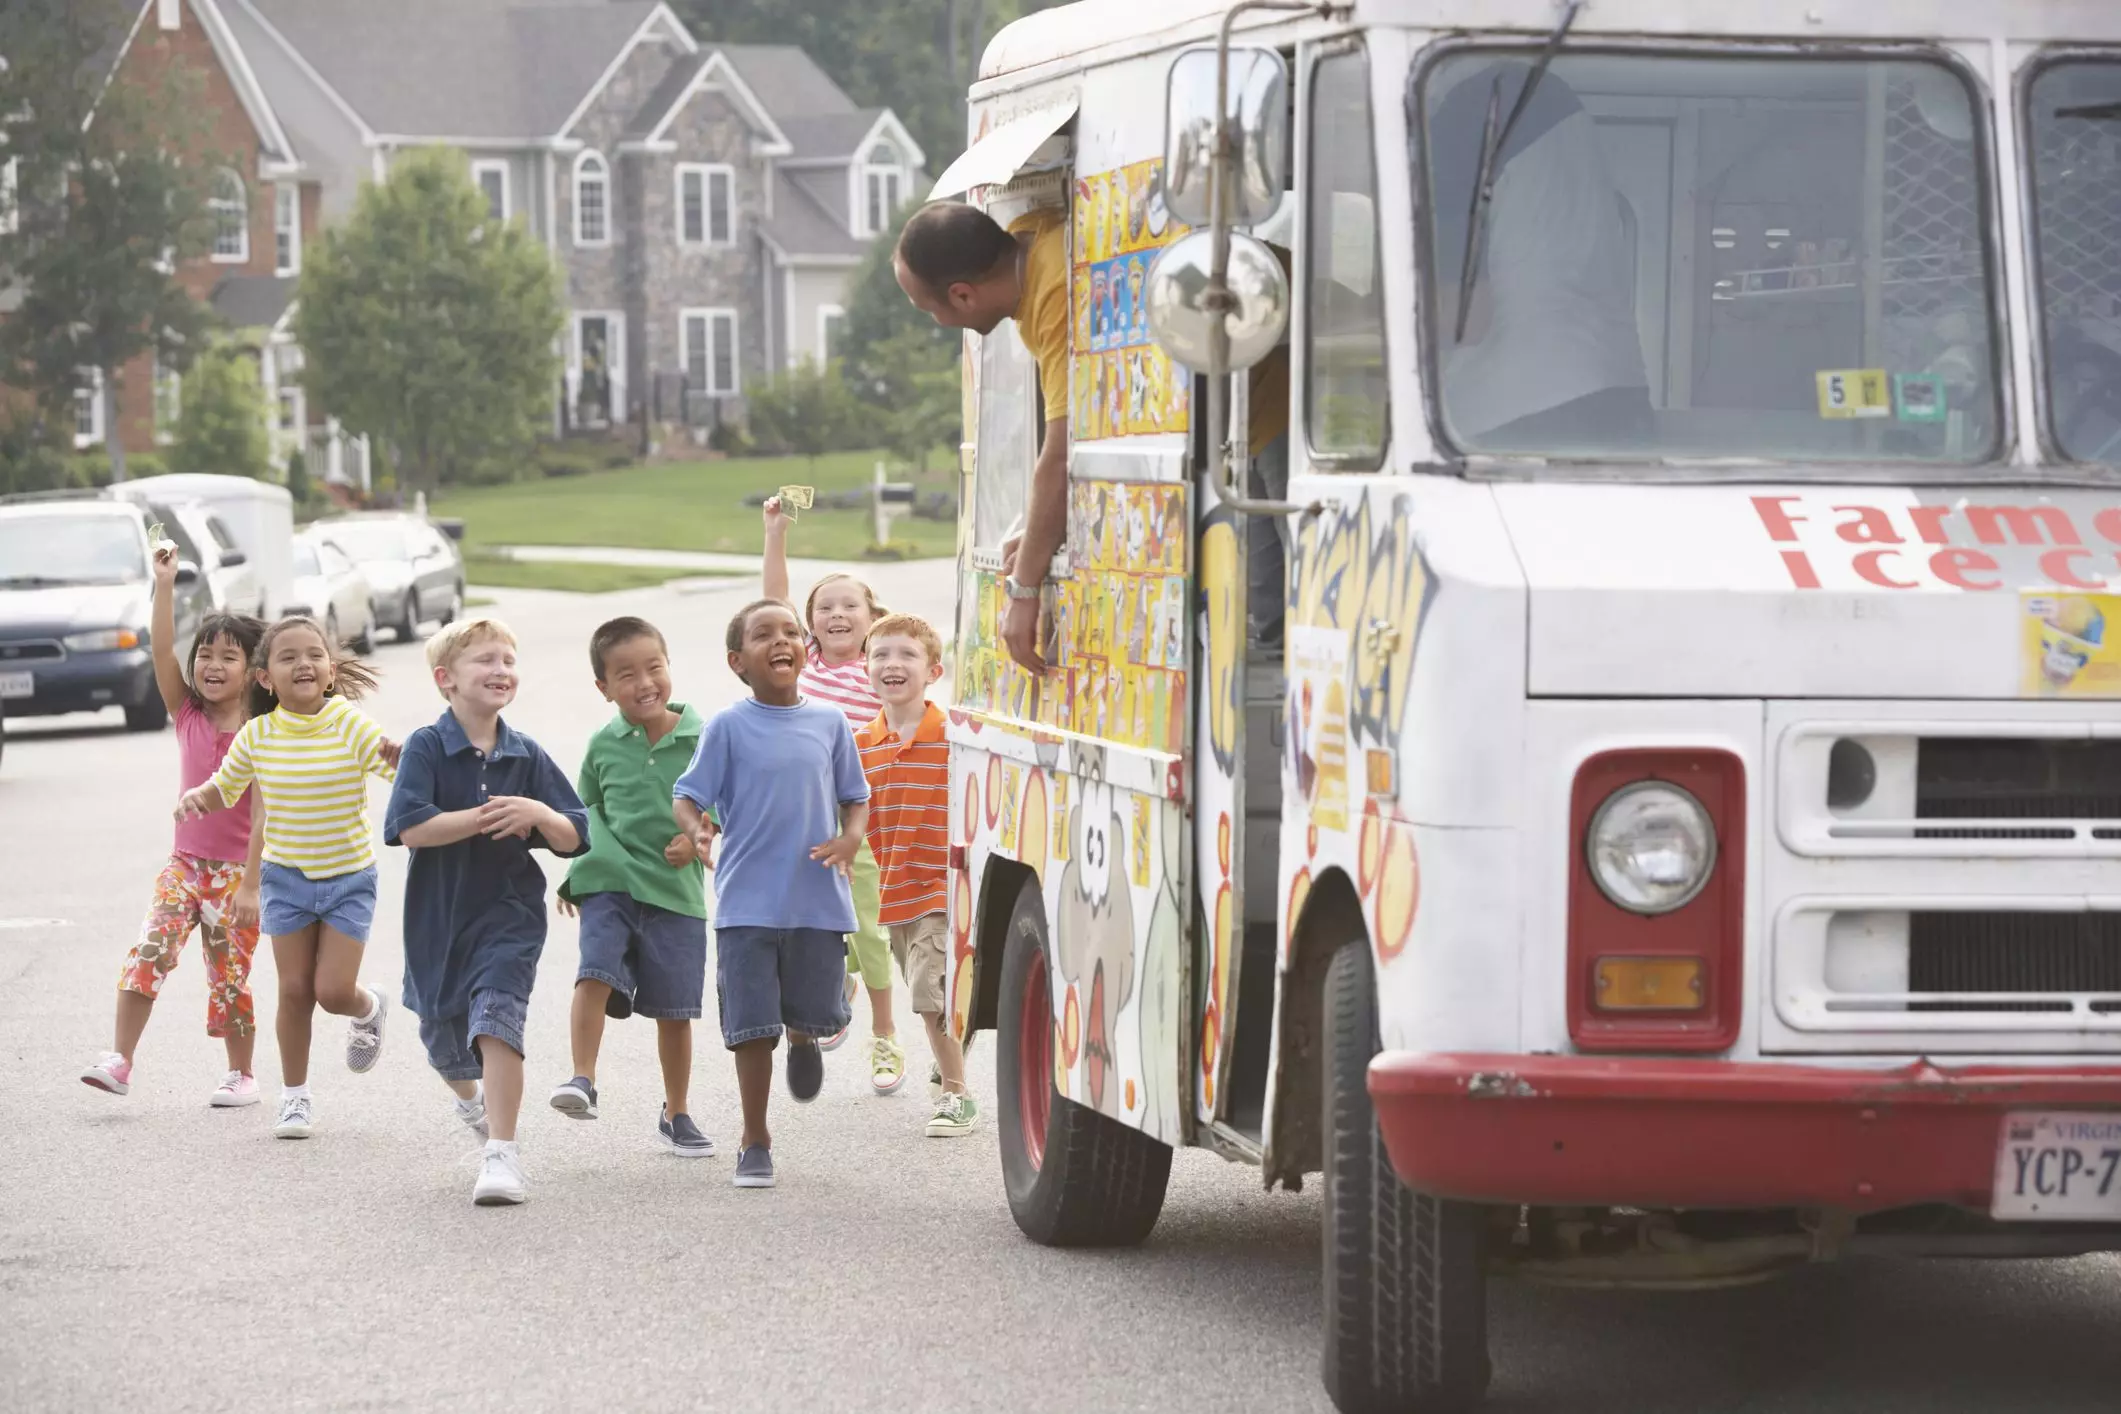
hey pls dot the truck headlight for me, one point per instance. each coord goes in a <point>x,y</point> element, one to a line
<point>1651,847</point>
<point>102,640</point>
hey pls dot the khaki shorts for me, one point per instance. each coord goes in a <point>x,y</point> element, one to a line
<point>922,948</point>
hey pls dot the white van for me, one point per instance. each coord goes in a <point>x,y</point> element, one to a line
<point>260,515</point>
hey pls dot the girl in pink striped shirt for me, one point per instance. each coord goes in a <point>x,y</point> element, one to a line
<point>838,614</point>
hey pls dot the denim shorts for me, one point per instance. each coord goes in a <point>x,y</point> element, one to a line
<point>654,961</point>
<point>289,901</point>
<point>766,979</point>
<point>452,1041</point>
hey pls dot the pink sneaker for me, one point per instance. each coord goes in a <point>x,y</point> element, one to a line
<point>234,1092</point>
<point>113,1073</point>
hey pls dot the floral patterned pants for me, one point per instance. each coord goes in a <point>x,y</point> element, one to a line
<point>197,893</point>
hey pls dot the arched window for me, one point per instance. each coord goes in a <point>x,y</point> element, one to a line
<point>592,199</point>
<point>883,186</point>
<point>230,205</point>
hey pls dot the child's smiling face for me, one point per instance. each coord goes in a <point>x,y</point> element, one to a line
<point>637,679</point>
<point>299,670</point>
<point>839,618</point>
<point>481,678</point>
<point>900,669</point>
<point>218,670</point>
<point>770,655</point>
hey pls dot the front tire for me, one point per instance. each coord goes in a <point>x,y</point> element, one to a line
<point>331,630</point>
<point>407,626</point>
<point>1406,1326</point>
<point>150,715</point>
<point>1075,1178</point>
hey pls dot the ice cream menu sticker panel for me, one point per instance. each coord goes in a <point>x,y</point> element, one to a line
<point>1122,384</point>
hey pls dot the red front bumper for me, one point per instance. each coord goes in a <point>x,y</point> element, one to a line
<point>1569,1130</point>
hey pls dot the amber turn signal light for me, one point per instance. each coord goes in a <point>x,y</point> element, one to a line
<point>1649,984</point>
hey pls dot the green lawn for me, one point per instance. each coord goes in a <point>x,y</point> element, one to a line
<point>690,506</point>
<point>494,572</point>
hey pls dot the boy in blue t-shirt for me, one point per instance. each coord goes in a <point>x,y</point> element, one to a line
<point>782,775</point>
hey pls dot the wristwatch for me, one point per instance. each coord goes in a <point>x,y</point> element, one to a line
<point>1016,589</point>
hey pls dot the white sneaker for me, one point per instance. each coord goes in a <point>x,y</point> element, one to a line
<point>473,1113</point>
<point>364,1039</point>
<point>294,1118</point>
<point>500,1180</point>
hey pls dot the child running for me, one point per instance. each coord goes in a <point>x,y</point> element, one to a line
<point>782,776</point>
<point>907,761</point>
<point>838,614</point>
<point>640,890</point>
<point>473,798</point>
<point>310,758</point>
<point>211,880</point>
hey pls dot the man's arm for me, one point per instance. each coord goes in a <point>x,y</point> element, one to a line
<point>1045,527</point>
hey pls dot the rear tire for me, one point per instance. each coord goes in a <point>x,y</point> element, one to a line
<point>1406,1328</point>
<point>1075,1178</point>
<point>150,715</point>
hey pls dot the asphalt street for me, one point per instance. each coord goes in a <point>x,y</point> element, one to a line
<point>159,1255</point>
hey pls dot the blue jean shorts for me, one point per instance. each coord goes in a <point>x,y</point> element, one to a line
<point>289,901</point>
<point>768,979</point>
<point>452,1042</point>
<point>654,961</point>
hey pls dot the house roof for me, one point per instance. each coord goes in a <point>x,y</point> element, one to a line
<point>252,301</point>
<point>833,135</point>
<point>510,70</point>
<point>806,221</point>
<point>787,80</point>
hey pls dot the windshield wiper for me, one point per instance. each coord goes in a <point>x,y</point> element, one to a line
<point>2094,112</point>
<point>32,581</point>
<point>1491,145</point>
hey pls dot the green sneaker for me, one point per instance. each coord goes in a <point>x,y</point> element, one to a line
<point>954,1118</point>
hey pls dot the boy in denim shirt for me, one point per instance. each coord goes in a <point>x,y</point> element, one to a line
<point>782,775</point>
<point>473,798</point>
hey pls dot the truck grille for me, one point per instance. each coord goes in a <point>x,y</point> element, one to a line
<point>2044,953</point>
<point>2004,778</point>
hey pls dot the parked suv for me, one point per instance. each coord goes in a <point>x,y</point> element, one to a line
<point>76,590</point>
<point>414,572</point>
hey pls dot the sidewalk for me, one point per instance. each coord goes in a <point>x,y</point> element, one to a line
<point>704,560</point>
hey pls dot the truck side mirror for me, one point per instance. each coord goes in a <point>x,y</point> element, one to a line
<point>232,558</point>
<point>187,574</point>
<point>1256,110</point>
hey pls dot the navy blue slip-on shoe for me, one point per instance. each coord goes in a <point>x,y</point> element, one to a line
<point>682,1137</point>
<point>754,1167</point>
<point>577,1099</point>
<point>806,1070</point>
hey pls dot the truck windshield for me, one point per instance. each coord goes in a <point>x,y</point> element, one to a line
<point>2075,134</point>
<point>1688,257</point>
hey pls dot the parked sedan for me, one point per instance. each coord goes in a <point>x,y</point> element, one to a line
<point>414,572</point>
<point>75,591</point>
<point>329,587</point>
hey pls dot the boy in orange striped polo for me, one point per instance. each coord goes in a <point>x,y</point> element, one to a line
<point>907,762</point>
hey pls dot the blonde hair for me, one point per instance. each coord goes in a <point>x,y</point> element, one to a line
<point>876,609</point>
<point>908,626</point>
<point>452,640</point>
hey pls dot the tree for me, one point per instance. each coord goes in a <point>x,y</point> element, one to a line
<point>429,326</point>
<point>221,428</point>
<point>108,177</point>
<point>900,362</point>
<point>806,411</point>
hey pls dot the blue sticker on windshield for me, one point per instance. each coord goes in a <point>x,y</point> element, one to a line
<point>1919,397</point>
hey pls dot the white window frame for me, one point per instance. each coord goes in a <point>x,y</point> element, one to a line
<point>867,173</point>
<point>826,313</point>
<point>287,228</point>
<point>221,205</point>
<point>10,187</point>
<point>602,177</point>
<point>708,173</point>
<point>712,316</point>
<point>92,387</point>
<point>480,167</point>
<point>169,394</point>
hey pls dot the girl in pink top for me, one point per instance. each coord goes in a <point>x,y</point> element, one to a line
<point>211,880</point>
<point>838,615</point>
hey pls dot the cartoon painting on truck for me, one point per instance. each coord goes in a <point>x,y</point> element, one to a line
<point>1675,830</point>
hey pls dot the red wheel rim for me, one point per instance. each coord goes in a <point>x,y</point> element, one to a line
<point>1034,1068</point>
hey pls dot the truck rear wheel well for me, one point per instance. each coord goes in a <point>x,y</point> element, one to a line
<point>1332,915</point>
<point>999,887</point>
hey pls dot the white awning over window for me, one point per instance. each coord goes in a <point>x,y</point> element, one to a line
<point>999,155</point>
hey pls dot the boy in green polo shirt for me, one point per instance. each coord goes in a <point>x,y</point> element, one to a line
<point>640,891</point>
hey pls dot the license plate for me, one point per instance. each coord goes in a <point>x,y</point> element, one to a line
<point>14,685</point>
<point>2058,1166</point>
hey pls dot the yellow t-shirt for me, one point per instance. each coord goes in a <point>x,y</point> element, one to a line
<point>1042,307</point>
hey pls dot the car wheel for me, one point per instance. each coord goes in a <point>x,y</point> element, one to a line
<point>149,716</point>
<point>407,626</point>
<point>366,643</point>
<point>454,607</point>
<point>1405,1275</point>
<point>331,629</point>
<point>1075,1178</point>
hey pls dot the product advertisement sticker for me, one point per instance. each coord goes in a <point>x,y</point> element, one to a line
<point>1854,392</point>
<point>1919,397</point>
<point>2064,648</point>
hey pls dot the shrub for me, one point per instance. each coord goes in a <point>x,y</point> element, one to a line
<point>221,429</point>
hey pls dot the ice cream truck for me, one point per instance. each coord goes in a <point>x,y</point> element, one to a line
<point>1675,833</point>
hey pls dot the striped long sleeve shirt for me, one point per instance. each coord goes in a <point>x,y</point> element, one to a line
<point>311,774</point>
<point>909,815</point>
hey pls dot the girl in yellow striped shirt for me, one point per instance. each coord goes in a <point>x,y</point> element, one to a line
<point>309,760</point>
